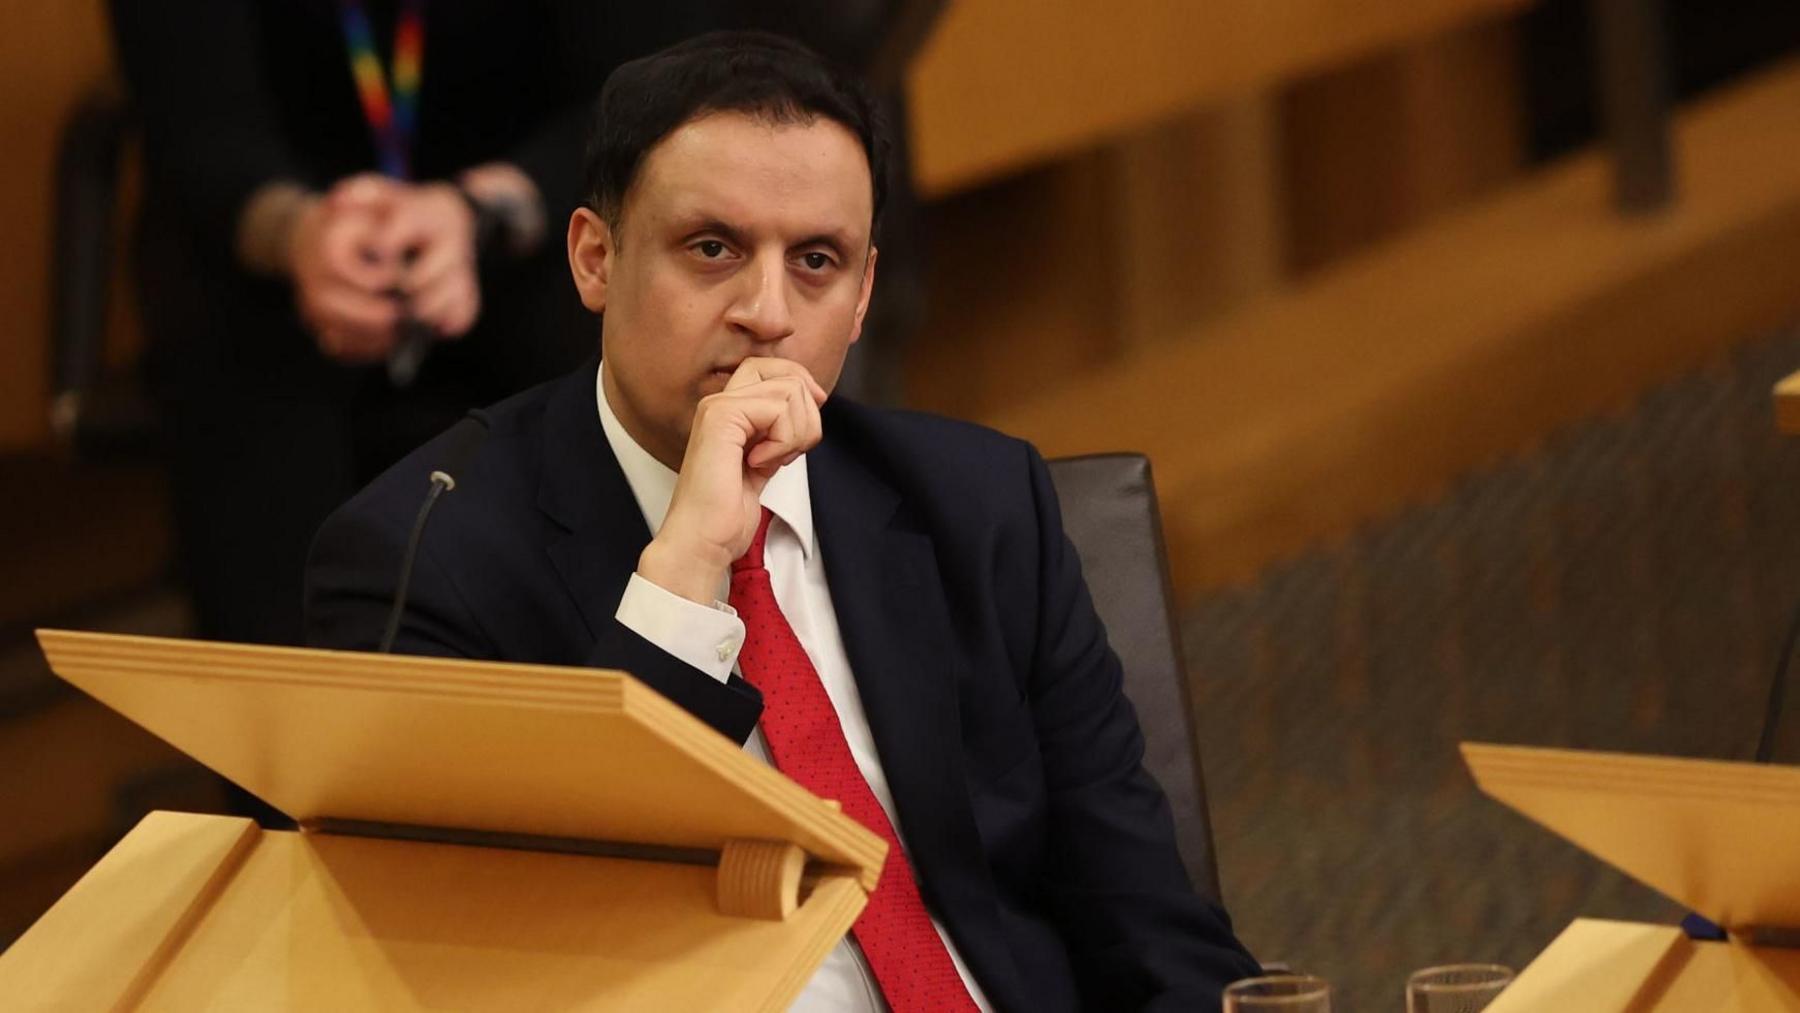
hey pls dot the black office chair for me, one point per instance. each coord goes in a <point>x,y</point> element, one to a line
<point>1110,514</point>
<point>97,414</point>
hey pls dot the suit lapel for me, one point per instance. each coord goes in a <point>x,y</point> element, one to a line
<point>583,489</point>
<point>891,610</point>
<point>896,627</point>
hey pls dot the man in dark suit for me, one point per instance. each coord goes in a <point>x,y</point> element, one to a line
<point>882,602</point>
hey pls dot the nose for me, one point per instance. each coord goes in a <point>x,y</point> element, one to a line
<point>761,309</point>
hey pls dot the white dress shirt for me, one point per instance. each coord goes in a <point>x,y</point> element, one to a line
<point>708,638</point>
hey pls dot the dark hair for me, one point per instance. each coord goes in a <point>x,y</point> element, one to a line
<point>755,73</point>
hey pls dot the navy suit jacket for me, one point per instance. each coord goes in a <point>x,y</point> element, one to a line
<point>994,700</point>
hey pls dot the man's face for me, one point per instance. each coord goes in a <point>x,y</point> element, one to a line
<point>738,238</point>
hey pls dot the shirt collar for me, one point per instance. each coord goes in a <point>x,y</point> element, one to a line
<point>788,495</point>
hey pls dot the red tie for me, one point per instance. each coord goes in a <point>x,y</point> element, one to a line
<point>896,935</point>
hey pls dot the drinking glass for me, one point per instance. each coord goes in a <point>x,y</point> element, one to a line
<point>1279,993</point>
<point>1456,988</point>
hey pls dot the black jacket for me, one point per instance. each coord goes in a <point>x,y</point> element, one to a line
<point>993,697</point>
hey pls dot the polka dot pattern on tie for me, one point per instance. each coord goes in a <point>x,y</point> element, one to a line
<point>904,951</point>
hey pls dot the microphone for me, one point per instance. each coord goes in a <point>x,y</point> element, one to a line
<point>463,440</point>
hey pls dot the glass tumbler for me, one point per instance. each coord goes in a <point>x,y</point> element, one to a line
<point>1456,988</point>
<point>1280,993</point>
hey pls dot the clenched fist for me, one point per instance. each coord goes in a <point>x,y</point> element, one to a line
<point>765,418</point>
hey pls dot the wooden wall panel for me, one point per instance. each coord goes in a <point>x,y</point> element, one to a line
<point>1379,146</point>
<point>1004,84</point>
<point>1196,218</point>
<point>1147,239</point>
<point>1035,281</point>
<point>1019,293</point>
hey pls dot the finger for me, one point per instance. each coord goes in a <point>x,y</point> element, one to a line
<point>801,411</point>
<point>727,428</point>
<point>350,346</point>
<point>347,248</point>
<point>459,323</point>
<point>449,307</point>
<point>413,222</point>
<point>773,411</point>
<point>814,429</point>
<point>345,348</point>
<point>747,374</point>
<point>803,408</point>
<point>791,433</point>
<point>777,440</point>
<point>751,415</point>
<point>352,308</point>
<point>365,190</point>
<point>355,312</point>
<point>436,262</point>
<point>809,429</point>
<point>329,251</point>
<point>427,217</point>
<point>398,232</point>
<point>757,369</point>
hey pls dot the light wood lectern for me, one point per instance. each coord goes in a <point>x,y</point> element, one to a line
<point>473,836</point>
<point>1721,838</point>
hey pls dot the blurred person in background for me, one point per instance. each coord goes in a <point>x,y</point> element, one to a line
<point>343,246</point>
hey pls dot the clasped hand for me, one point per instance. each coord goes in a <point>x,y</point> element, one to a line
<point>764,419</point>
<point>377,252</point>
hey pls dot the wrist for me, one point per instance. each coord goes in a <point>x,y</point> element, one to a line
<point>454,200</point>
<point>509,212</point>
<point>273,225</point>
<point>685,571</point>
<point>487,228</point>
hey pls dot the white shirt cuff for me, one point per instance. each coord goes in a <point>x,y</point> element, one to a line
<point>706,637</point>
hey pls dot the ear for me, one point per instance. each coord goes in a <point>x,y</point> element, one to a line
<point>868,289</point>
<point>591,255</point>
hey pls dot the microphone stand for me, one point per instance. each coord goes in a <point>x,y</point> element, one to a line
<point>461,450</point>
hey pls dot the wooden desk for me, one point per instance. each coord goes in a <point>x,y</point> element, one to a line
<point>1717,837</point>
<point>1602,966</point>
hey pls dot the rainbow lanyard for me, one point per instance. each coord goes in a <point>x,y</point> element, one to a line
<point>393,113</point>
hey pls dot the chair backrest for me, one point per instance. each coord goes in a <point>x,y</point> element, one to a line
<point>1110,514</point>
<point>97,413</point>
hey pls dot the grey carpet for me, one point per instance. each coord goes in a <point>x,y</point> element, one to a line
<point>1623,587</point>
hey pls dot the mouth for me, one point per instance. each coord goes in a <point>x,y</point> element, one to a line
<point>723,371</point>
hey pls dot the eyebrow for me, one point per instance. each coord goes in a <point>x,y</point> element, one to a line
<point>836,241</point>
<point>716,226</point>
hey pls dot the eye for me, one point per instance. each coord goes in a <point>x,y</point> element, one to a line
<point>816,261</point>
<point>711,249</point>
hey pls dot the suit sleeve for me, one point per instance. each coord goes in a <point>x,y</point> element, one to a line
<point>194,72</point>
<point>351,577</point>
<point>1138,934</point>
